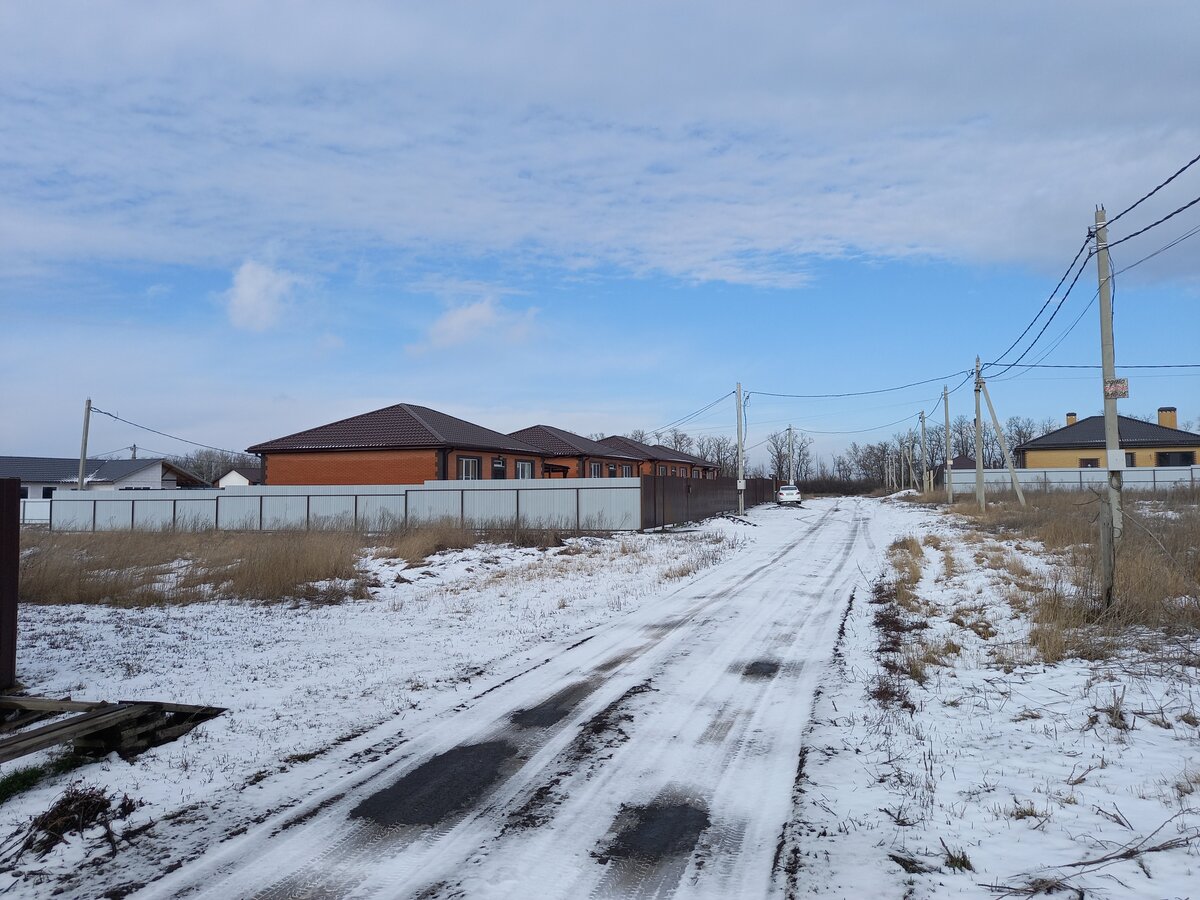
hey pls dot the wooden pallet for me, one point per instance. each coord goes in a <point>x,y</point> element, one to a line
<point>127,727</point>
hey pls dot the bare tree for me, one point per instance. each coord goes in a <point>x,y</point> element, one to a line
<point>777,453</point>
<point>1018,430</point>
<point>637,434</point>
<point>597,436</point>
<point>1048,425</point>
<point>679,440</point>
<point>212,464</point>
<point>962,436</point>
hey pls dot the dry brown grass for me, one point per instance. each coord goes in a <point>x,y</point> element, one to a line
<point>1157,580</point>
<point>415,544</point>
<point>141,568</point>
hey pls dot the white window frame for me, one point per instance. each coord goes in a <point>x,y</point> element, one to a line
<point>524,465</point>
<point>596,470</point>
<point>463,468</point>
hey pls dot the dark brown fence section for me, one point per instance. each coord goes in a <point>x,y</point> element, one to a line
<point>10,555</point>
<point>672,501</point>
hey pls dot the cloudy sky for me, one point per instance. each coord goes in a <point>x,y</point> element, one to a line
<point>231,221</point>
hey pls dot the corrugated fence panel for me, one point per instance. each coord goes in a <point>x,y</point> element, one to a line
<point>71,515</point>
<point>492,508</point>
<point>35,512</point>
<point>1135,479</point>
<point>430,506</point>
<point>114,515</point>
<point>152,515</point>
<point>238,513</point>
<point>548,508</point>
<point>331,511</point>
<point>378,513</point>
<point>195,515</point>
<point>609,509</point>
<point>282,513</point>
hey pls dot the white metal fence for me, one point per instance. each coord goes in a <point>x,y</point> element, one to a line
<point>1143,479</point>
<point>584,504</point>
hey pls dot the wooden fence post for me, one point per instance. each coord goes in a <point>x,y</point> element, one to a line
<point>10,555</point>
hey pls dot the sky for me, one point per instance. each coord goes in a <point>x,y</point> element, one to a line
<point>233,221</point>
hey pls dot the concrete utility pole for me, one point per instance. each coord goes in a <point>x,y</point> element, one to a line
<point>1008,460</point>
<point>133,452</point>
<point>946,474</point>
<point>1112,521</point>
<point>979,495</point>
<point>741,479</point>
<point>87,418</point>
<point>924,457</point>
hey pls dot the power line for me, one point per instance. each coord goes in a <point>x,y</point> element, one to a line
<point>164,434</point>
<point>1119,366</point>
<point>1156,223</point>
<point>1033,321</point>
<point>907,418</point>
<point>1179,240</point>
<point>690,416</point>
<point>1145,197</point>
<point>886,390</point>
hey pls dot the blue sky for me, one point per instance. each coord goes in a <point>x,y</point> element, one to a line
<point>231,221</point>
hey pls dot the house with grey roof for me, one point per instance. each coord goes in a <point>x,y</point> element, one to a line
<point>41,476</point>
<point>657,459</point>
<point>400,444</point>
<point>1080,444</point>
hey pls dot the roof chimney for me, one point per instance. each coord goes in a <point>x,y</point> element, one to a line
<point>1071,418</point>
<point>1167,417</point>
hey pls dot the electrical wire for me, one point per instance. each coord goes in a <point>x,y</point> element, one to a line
<point>1120,366</point>
<point>1155,223</point>
<point>886,390</point>
<point>1179,240</point>
<point>1145,197</point>
<point>907,418</point>
<point>691,416</point>
<point>163,433</point>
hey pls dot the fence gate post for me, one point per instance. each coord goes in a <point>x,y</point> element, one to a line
<point>10,554</point>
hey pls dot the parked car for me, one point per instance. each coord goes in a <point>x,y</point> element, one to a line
<point>789,493</point>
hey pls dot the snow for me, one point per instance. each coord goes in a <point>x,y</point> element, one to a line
<point>690,675</point>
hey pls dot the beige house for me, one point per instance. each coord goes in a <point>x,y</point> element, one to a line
<point>1080,444</point>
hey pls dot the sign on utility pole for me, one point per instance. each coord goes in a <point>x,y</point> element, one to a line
<point>741,448</point>
<point>949,466</point>
<point>1112,522</point>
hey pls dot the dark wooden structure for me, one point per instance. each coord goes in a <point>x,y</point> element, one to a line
<point>673,501</point>
<point>10,558</point>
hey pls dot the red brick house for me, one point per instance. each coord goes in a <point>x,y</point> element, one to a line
<point>401,444</point>
<point>659,460</point>
<point>574,456</point>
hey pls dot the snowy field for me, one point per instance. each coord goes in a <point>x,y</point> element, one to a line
<point>691,714</point>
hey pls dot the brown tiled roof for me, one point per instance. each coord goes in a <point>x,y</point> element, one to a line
<point>404,426</point>
<point>654,451</point>
<point>1089,433</point>
<point>558,442</point>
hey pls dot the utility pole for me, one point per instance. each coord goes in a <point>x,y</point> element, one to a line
<point>741,448</point>
<point>133,455</point>
<point>87,418</point>
<point>979,495</point>
<point>949,466</point>
<point>791,458</point>
<point>1112,520</point>
<point>1008,460</point>
<point>924,457</point>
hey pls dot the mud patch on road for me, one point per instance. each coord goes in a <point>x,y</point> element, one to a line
<point>556,708</point>
<point>433,790</point>
<point>761,669</point>
<point>656,831</point>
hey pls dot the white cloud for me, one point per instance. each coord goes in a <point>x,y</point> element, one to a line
<point>259,296</point>
<point>465,322</point>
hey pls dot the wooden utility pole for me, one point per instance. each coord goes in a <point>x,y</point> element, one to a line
<point>1112,522</point>
<point>949,461</point>
<point>87,418</point>
<point>979,495</point>
<point>924,457</point>
<point>1008,460</point>
<point>741,456</point>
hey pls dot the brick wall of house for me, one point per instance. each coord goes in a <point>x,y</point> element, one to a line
<point>352,467</point>
<point>487,458</point>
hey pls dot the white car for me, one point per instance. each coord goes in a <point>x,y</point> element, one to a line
<point>789,493</point>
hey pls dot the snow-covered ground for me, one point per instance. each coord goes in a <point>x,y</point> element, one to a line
<point>683,714</point>
<point>1085,774</point>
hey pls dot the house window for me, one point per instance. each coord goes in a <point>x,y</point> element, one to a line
<point>1183,458</point>
<point>524,468</point>
<point>597,470</point>
<point>499,467</point>
<point>47,493</point>
<point>1092,462</point>
<point>468,468</point>
<point>674,470</point>
<point>612,470</point>
<point>24,492</point>
<point>695,473</point>
<point>626,471</point>
<point>662,470</point>
<point>1131,460</point>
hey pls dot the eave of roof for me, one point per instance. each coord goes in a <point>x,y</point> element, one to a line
<point>1087,434</point>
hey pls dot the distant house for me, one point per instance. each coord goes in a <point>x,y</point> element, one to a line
<point>401,444</point>
<point>41,476</point>
<point>570,455</point>
<point>1080,444</point>
<point>241,476</point>
<point>655,459</point>
<point>959,462</point>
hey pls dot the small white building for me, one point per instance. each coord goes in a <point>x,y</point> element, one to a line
<point>41,476</point>
<point>241,476</point>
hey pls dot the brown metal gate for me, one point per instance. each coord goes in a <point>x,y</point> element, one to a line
<point>671,501</point>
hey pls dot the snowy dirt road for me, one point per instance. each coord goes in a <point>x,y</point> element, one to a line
<point>656,757</point>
